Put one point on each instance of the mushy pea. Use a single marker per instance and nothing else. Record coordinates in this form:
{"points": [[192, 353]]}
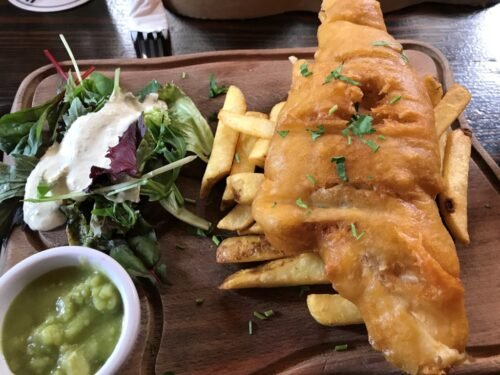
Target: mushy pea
{"points": [[66, 322]]}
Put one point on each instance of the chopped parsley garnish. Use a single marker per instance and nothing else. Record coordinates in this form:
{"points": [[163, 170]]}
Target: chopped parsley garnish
{"points": [[304, 70], [42, 189], [259, 315], [349, 140], [283, 133], [340, 164], [299, 202], [199, 301], [332, 110], [384, 43], [355, 232], [250, 327], [237, 158], [303, 290], [315, 134], [311, 178], [183, 75], [216, 240], [381, 43], [371, 144], [382, 137], [405, 58], [337, 74], [274, 204], [214, 89], [268, 313], [395, 99], [370, 177], [341, 347], [360, 125]]}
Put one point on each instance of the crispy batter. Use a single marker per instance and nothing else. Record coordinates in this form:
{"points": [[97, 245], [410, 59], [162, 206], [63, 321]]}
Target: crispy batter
{"points": [[379, 233]]}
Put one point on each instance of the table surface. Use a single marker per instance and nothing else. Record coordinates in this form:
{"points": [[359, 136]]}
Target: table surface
{"points": [[467, 36]]}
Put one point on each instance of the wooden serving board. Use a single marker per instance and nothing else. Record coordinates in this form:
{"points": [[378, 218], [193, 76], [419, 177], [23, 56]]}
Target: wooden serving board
{"points": [[186, 338]]}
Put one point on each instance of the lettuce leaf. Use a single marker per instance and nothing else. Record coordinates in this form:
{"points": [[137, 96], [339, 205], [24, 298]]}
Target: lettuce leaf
{"points": [[188, 121]]}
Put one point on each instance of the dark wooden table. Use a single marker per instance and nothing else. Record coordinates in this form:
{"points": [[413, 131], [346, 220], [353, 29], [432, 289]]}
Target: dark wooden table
{"points": [[469, 37]]}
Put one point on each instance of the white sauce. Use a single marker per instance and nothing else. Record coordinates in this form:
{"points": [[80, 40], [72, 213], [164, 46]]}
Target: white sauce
{"points": [[66, 166]]}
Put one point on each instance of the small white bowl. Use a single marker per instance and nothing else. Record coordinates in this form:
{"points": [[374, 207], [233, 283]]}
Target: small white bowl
{"points": [[19, 276]]}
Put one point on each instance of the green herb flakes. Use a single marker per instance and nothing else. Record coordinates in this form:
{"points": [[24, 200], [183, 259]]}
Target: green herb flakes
{"points": [[274, 204], [341, 347], [304, 70], [283, 133], [371, 144], [237, 158], [315, 134], [360, 125], [199, 301], [214, 89], [259, 315], [299, 202], [349, 140], [216, 240], [404, 57], [354, 232], [395, 99], [42, 189], [268, 313], [341, 169], [337, 74], [311, 178], [382, 137], [332, 110]]}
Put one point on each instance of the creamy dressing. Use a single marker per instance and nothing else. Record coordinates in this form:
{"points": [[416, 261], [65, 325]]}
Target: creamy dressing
{"points": [[66, 166]]}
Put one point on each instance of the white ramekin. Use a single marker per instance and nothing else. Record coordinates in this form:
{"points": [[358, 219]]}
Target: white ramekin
{"points": [[15, 279]]}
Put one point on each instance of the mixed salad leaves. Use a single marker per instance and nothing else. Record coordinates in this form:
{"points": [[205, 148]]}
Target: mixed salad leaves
{"points": [[146, 161]]}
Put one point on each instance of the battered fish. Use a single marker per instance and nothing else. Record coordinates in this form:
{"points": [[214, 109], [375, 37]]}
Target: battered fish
{"points": [[356, 178]]}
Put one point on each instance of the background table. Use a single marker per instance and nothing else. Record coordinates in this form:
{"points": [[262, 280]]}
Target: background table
{"points": [[469, 37]]}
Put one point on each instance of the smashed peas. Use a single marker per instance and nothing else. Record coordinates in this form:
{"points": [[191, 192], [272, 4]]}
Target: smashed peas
{"points": [[66, 322]]}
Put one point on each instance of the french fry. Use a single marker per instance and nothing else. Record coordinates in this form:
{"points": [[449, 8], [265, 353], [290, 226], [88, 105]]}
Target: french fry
{"points": [[257, 114], [254, 126], [246, 249], [442, 147], [240, 217], [259, 151], [434, 89], [275, 111], [453, 201], [303, 269], [241, 162], [450, 107], [245, 186], [254, 229], [333, 310], [226, 138]]}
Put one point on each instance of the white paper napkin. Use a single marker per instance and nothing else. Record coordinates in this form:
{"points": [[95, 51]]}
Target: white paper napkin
{"points": [[148, 16]]}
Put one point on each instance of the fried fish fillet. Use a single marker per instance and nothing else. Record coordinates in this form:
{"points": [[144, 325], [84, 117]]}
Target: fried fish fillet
{"points": [[356, 177]]}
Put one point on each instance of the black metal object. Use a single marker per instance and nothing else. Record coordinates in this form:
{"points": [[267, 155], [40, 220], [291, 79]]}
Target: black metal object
{"points": [[156, 44]]}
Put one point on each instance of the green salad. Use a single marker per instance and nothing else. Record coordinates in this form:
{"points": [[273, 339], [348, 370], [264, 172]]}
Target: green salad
{"points": [[92, 157]]}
